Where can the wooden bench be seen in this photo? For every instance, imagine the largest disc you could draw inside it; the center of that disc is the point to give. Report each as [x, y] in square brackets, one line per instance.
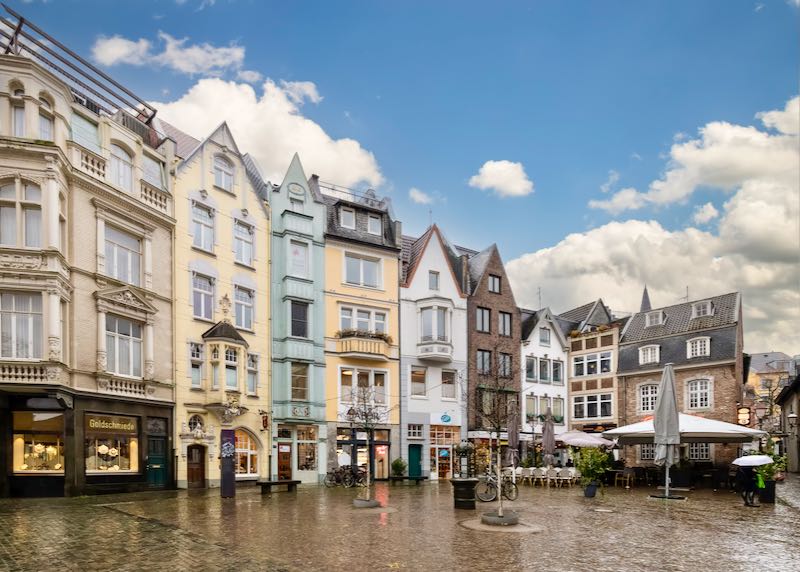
[416, 480]
[266, 486]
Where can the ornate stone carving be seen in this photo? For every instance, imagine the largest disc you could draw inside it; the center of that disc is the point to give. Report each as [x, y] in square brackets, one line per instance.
[127, 298]
[101, 360]
[102, 384]
[53, 374]
[21, 261]
[150, 390]
[149, 369]
[54, 348]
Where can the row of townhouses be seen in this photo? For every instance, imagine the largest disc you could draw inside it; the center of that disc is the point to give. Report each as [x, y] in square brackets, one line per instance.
[155, 289]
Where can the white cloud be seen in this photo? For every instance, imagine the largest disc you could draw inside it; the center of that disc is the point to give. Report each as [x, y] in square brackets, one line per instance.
[613, 179]
[419, 197]
[249, 76]
[754, 248]
[177, 54]
[636, 156]
[705, 213]
[724, 157]
[758, 7]
[270, 125]
[505, 178]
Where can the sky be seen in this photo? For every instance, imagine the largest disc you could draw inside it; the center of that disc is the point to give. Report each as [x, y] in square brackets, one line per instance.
[602, 145]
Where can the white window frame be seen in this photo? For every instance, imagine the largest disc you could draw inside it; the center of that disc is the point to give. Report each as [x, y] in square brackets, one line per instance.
[121, 168]
[18, 120]
[370, 383]
[560, 380]
[531, 360]
[433, 280]
[647, 395]
[206, 227]
[647, 451]
[504, 323]
[415, 390]
[248, 308]
[252, 374]
[46, 126]
[698, 347]
[544, 367]
[207, 297]
[343, 210]
[196, 359]
[116, 339]
[544, 336]
[373, 219]
[374, 314]
[26, 210]
[364, 258]
[243, 236]
[598, 400]
[699, 452]
[224, 173]
[306, 261]
[698, 394]
[34, 320]
[649, 354]
[451, 387]
[495, 284]
[440, 325]
[112, 264]
[231, 365]
[415, 431]
[702, 309]
[306, 388]
[654, 318]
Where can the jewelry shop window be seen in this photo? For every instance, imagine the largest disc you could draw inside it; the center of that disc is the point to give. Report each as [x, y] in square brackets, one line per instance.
[112, 444]
[38, 442]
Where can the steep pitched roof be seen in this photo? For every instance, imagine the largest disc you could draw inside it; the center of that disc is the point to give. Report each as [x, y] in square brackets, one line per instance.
[645, 305]
[578, 314]
[477, 264]
[528, 319]
[184, 143]
[769, 362]
[253, 173]
[224, 330]
[413, 249]
[678, 319]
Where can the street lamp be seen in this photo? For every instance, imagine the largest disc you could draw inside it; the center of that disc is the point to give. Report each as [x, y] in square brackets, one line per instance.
[761, 413]
[792, 417]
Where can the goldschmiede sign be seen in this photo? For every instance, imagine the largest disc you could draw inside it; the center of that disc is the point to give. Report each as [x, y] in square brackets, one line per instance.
[111, 424]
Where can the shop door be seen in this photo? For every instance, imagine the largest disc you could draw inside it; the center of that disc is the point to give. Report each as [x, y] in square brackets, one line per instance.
[415, 460]
[284, 461]
[443, 462]
[434, 475]
[196, 467]
[381, 468]
[157, 462]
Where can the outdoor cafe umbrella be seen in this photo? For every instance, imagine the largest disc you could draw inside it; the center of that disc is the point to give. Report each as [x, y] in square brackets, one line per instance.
[512, 452]
[548, 438]
[581, 439]
[753, 460]
[666, 425]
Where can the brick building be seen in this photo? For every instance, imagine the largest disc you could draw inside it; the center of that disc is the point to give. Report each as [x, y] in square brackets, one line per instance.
[703, 340]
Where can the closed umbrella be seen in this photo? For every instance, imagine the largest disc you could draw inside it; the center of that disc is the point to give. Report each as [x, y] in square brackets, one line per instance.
[666, 424]
[512, 453]
[753, 460]
[548, 438]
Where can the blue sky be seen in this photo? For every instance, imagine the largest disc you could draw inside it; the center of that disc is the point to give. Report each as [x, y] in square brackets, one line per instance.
[569, 90]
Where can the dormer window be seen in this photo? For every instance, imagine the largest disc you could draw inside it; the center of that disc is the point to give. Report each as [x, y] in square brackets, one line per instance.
[347, 218]
[649, 354]
[654, 318]
[698, 347]
[374, 225]
[700, 309]
[223, 174]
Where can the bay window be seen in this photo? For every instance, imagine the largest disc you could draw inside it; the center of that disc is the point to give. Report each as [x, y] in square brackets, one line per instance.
[299, 381]
[196, 365]
[20, 215]
[231, 368]
[252, 374]
[434, 324]
[298, 259]
[21, 325]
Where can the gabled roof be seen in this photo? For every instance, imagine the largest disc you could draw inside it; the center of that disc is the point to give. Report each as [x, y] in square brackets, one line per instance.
[770, 362]
[578, 314]
[530, 319]
[678, 319]
[184, 143]
[477, 266]
[413, 249]
[224, 330]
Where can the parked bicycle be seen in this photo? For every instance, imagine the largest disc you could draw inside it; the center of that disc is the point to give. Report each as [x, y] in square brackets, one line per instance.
[486, 490]
[340, 476]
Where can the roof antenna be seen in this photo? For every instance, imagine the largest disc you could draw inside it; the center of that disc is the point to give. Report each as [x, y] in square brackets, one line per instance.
[539, 288]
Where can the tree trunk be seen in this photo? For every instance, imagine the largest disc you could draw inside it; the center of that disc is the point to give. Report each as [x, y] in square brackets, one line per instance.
[369, 453]
[499, 481]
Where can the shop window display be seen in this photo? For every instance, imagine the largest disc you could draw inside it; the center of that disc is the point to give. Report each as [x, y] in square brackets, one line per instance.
[112, 444]
[306, 448]
[246, 454]
[38, 442]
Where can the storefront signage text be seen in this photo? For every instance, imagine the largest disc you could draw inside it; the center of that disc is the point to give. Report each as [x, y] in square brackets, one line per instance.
[111, 424]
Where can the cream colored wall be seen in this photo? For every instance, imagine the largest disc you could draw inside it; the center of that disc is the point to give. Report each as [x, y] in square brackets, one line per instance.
[195, 176]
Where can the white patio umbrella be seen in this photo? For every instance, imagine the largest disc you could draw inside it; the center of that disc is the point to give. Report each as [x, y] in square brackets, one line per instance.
[693, 429]
[753, 460]
[666, 428]
[581, 439]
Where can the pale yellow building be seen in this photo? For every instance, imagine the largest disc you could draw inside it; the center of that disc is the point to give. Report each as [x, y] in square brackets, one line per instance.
[361, 325]
[222, 310]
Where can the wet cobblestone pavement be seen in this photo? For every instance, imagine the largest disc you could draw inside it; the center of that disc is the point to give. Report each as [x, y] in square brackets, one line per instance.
[317, 529]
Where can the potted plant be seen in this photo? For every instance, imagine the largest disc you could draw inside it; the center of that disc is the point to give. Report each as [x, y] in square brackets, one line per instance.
[399, 467]
[767, 474]
[592, 463]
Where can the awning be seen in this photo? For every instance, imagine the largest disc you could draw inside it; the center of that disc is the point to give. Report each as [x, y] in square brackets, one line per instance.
[693, 429]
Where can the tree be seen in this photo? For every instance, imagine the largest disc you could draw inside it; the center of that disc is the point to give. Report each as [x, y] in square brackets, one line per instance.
[367, 412]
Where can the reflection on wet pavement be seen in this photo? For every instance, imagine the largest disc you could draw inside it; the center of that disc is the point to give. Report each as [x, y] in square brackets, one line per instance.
[318, 529]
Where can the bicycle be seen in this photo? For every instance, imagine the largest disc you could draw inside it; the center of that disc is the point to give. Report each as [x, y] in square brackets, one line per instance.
[340, 476]
[487, 488]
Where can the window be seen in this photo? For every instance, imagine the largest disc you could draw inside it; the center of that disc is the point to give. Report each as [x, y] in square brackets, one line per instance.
[418, 375]
[494, 283]
[45, 127]
[654, 318]
[346, 383]
[544, 336]
[362, 271]
[38, 442]
[379, 385]
[231, 369]
[699, 452]
[195, 422]
[121, 168]
[23, 213]
[530, 368]
[246, 454]
[298, 259]
[153, 171]
[111, 444]
[433, 280]
[296, 205]
[374, 224]
[202, 227]
[649, 354]
[648, 394]
[504, 365]
[591, 406]
[223, 174]
[362, 320]
[647, 452]
[448, 384]
[18, 119]
[558, 410]
[243, 242]
[414, 431]
[123, 346]
[243, 311]
[505, 324]
[215, 376]
[558, 370]
[544, 370]
[484, 320]
[299, 382]
[85, 133]
[367, 380]
[196, 364]
[484, 363]
[530, 408]
[202, 296]
[700, 309]
[347, 218]
[698, 347]
[252, 374]
[306, 448]
[591, 363]
[21, 325]
[299, 319]
[123, 256]
[699, 394]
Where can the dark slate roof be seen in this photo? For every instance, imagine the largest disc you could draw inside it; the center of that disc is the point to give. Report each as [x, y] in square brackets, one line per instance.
[770, 362]
[224, 330]
[678, 319]
[673, 350]
[256, 179]
[412, 249]
[184, 143]
[578, 314]
[645, 305]
[566, 326]
[463, 250]
[528, 319]
[477, 266]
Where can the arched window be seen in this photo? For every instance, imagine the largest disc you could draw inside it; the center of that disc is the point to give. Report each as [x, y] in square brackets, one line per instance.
[223, 173]
[698, 347]
[121, 168]
[699, 394]
[647, 397]
[649, 354]
[195, 421]
[246, 453]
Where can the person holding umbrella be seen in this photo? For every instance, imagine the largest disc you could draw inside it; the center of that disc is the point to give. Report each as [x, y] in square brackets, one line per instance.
[746, 476]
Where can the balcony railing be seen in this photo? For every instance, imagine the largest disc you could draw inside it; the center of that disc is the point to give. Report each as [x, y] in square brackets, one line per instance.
[366, 348]
[23, 373]
[155, 197]
[126, 387]
[434, 350]
[90, 163]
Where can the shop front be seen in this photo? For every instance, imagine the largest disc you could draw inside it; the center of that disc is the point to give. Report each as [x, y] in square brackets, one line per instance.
[298, 453]
[61, 444]
[352, 447]
[443, 439]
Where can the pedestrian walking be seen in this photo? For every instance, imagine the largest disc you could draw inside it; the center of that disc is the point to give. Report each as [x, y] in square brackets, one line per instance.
[746, 481]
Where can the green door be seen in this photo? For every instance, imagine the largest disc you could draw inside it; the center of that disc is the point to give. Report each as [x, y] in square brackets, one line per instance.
[157, 462]
[415, 460]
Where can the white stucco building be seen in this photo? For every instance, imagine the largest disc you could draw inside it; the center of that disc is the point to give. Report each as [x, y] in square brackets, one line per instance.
[433, 347]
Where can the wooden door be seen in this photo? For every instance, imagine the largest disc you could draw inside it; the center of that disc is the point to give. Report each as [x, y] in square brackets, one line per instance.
[284, 461]
[196, 467]
[157, 462]
[415, 460]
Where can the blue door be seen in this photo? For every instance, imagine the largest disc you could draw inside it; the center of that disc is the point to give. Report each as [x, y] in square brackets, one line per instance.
[415, 460]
